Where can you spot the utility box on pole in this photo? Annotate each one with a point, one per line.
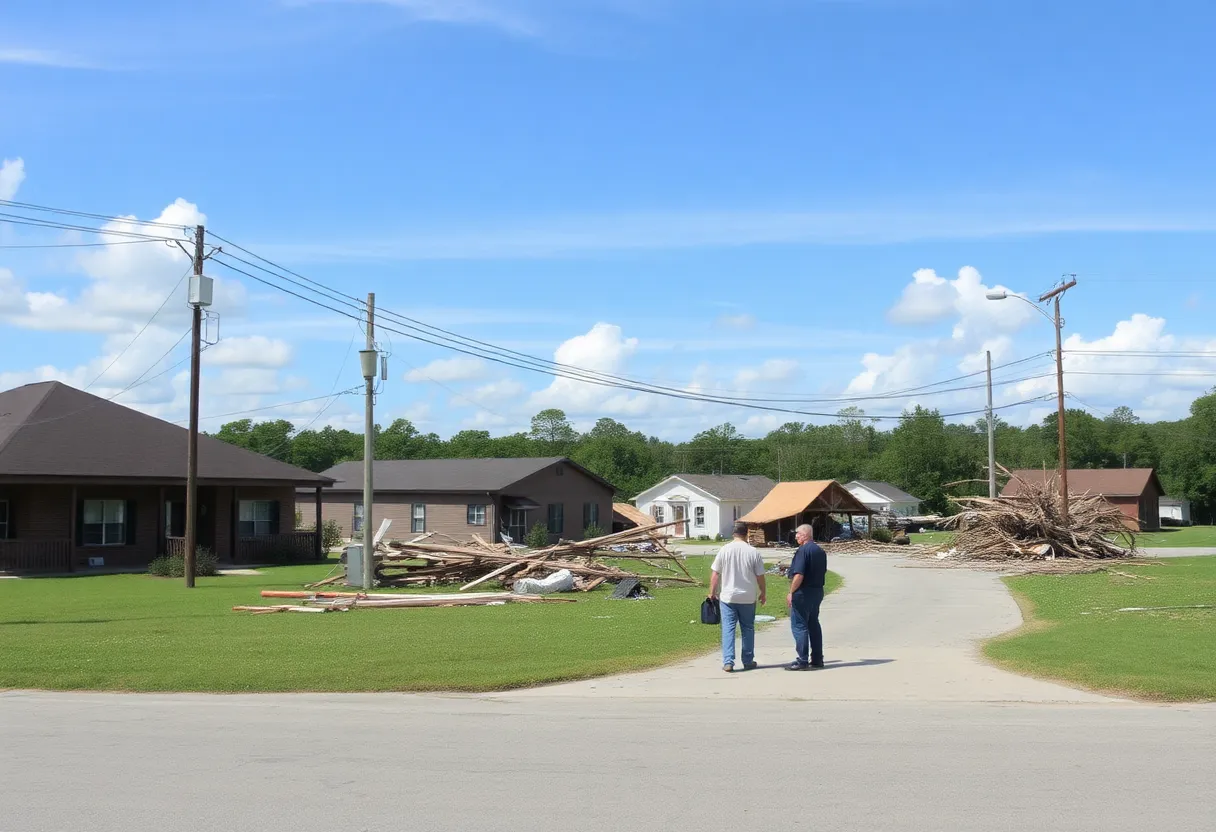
(202, 290)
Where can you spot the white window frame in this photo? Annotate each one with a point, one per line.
(5, 508)
(475, 514)
(258, 522)
(656, 511)
(418, 518)
(698, 517)
(356, 522)
(736, 512)
(107, 530)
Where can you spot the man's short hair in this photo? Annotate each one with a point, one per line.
(741, 530)
(805, 529)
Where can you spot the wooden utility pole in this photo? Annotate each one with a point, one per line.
(1055, 295)
(991, 434)
(368, 364)
(196, 311)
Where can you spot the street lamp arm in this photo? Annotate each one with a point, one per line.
(1028, 301)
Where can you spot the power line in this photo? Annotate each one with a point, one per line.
(76, 245)
(34, 222)
(216, 259)
(29, 206)
(284, 269)
(276, 406)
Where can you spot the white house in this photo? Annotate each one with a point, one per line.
(884, 497)
(1174, 511)
(709, 503)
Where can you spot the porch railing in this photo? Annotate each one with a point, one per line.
(175, 547)
(35, 555)
(287, 546)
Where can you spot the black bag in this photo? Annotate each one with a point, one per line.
(711, 613)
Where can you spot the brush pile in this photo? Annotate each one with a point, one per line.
(425, 561)
(1029, 526)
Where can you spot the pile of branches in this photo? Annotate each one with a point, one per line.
(1029, 526)
(425, 561)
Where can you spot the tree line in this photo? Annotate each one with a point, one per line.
(922, 453)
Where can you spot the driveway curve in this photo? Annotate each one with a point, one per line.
(896, 631)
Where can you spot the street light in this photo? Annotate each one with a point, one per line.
(1058, 323)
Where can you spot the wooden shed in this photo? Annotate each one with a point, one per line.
(790, 504)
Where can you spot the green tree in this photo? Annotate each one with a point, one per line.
(552, 431)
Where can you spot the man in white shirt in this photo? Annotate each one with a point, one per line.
(737, 580)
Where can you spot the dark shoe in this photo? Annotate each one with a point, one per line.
(750, 665)
(729, 668)
(796, 666)
(817, 664)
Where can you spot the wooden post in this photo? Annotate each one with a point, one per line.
(72, 533)
(316, 546)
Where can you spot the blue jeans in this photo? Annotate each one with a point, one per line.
(743, 615)
(804, 622)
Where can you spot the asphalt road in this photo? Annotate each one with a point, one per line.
(113, 763)
(908, 730)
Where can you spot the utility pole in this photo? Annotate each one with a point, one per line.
(200, 296)
(991, 434)
(1055, 295)
(368, 359)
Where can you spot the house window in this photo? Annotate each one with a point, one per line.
(477, 515)
(104, 523)
(3, 519)
(356, 525)
(419, 518)
(698, 515)
(736, 512)
(657, 513)
(257, 517)
(591, 514)
(557, 520)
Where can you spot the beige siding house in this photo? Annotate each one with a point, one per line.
(462, 497)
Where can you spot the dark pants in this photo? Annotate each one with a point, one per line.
(804, 622)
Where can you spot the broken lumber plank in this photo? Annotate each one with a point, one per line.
(499, 571)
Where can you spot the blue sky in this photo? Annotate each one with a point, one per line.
(715, 195)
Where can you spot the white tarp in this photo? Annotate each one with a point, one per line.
(560, 581)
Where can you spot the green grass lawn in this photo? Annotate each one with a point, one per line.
(1075, 634)
(931, 538)
(138, 633)
(1184, 538)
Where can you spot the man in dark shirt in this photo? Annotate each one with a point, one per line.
(807, 573)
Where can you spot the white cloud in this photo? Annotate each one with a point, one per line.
(12, 174)
(505, 390)
(246, 381)
(1001, 348)
(742, 321)
(908, 366)
(42, 57)
(603, 349)
(12, 294)
(773, 371)
(931, 299)
(250, 351)
(459, 368)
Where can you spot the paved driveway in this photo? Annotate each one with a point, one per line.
(894, 632)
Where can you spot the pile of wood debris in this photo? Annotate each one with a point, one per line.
(424, 561)
(1029, 526)
(343, 601)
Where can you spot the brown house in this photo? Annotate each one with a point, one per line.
(1136, 491)
(462, 497)
(87, 483)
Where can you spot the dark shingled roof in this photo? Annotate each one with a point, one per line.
(53, 430)
(448, 475)
(887, 491)
(1108, 482)
(731, 486)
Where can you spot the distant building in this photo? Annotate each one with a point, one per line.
(882, 497)
(1175, 511)
(791, 504)
(1136, 491)
(710, 503)
(462, 497)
